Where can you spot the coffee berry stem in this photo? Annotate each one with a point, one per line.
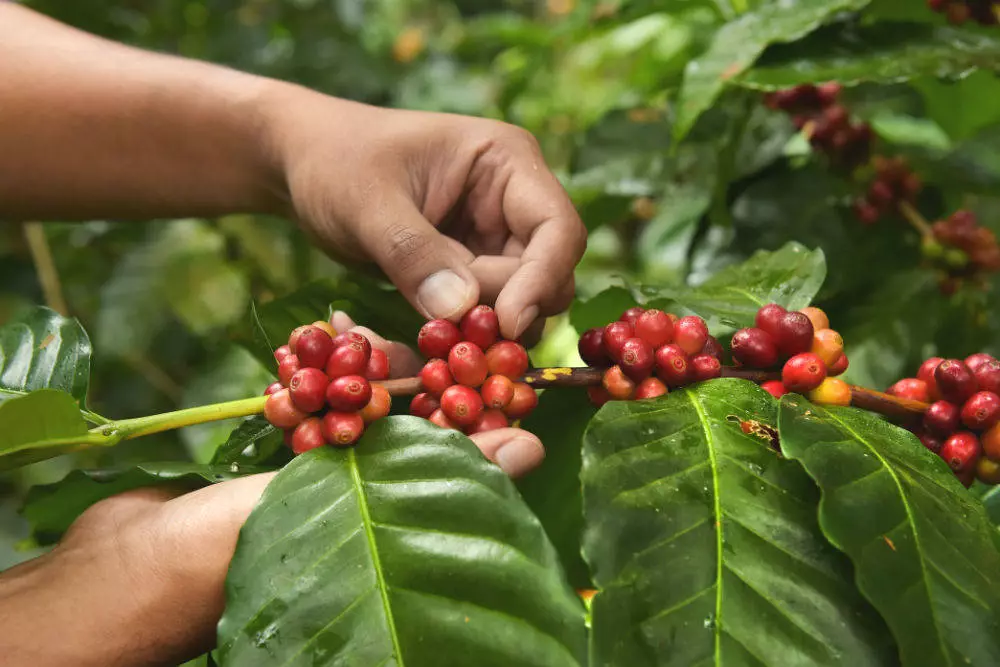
(916, 220)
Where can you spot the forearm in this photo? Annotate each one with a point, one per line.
(89, 128)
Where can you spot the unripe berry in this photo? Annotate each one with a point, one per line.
(991, 442)
(974, 361)
(650, 388)
(769, 319)
(435, 377)
(293, 338)
(713, 348)
(497, 392)
(795, 334)
(273, 387)
(955, 381)
(598, 395)
(911, 389)
(348, 359)
(462, 405)
(281, 353)
(353, 338)
(525, 400)
(961, 451)
(288, 367)
(378, 366)
(988, 376)
(691, 334)
(803, 373)
(931, 442)
(327, 327)
(988, 471)
(704, 367)
(839, 367)
(754, 348)
(828, 345)
(467, 364)
(308, 435)
(507, 358)
(617, 384)
(831, 391)
(632, 316)
(437, 337)
(308, 389)
(313, 348)
(672, 365)
(349, 393)
(615, 335)
(423, 405)
(981, 411)
(480, 326)
(491, 420)
(342, 429)
(438, 418)
(379, 405)
(926, 373)
(280, 411)
(655, 327)
(591, 347)
(637, 359)
(942, 418)
(817, 317)
(774, 388)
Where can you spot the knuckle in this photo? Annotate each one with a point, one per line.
(405, 247)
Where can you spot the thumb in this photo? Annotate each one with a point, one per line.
(430, 271)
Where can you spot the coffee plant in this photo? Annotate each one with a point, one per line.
(771, 415)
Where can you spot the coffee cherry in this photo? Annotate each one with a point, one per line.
(281, 353)
(831, 391)
(803, 373)
(654, 327)
(497, 392)
(754, 348)
(273, 387)
(617, 384)
(704, 367)
(817, 317)
(462, 405)
(480, 326)
(342, 429)
(379, 405)
(988, 376)
(598, 395)
(961, 451)
(691, 334)
(650, 388)
(293, 338)
(931, 442)
(327, 327)
(423, 405)
(988, 471)
(524, 402)
(911, 389)
(348, 359)
(308, 389)
(981, 411)
(632, 316)
(288, 367)
(280, 411)
(349, 393)
(926, 373)
(437, 337)
(491, 420)
(974, 361)
(353, 338)
(955, 381)
(991, 442)
(591, 347)
(795, 334)
(769, 319)
(713, 348)
(637, 359)
(828, 345)
(774, 388)
(435, 377)
(942, 418)
(467, 364)
(507, 358)
(378, 366)
(438, 418)
(839, 367)
(314, 347)
(672, 365)
(308, 435)
(615, 335)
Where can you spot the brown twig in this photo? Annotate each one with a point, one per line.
(916, 220)
(45, 267)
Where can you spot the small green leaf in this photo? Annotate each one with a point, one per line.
(41, 425)
(607, 306)
(904, 130)
(253, 442)
(44, 350)
(922, 546)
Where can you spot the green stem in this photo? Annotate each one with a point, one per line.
(126, 429)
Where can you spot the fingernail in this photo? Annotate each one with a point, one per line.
(519, 456)
(443, 294)
(525, 319)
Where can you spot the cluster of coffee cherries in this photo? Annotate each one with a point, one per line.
(962, 424)
(801, 343)
(648, 352)
(958, 12)
(962, 248)
(894, 184)
(325, 393)
(471, 382)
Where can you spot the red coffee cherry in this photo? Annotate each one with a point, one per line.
(288, 367)
(308, 435)
(961, 451)
(524, 402)
(308, 389)
(280, 411)
(507, 358)
(490, 421)
(955, 381)
(480, 326)
(591, 348)
(988, 376)
(655, 327)
(353, 338)
(379, 405)
(632, 316)
(378, 366)
(974, 361)
(713, 348)
(615, 335)
(828, 345)
(468, 365)
(774, 388)
(273, 387)
(988, 471)
(803, 373)
(286, 435)
(281, 353)
(650, 388)
(497, 392)
(314, 347)
(637, 359)
(348, 359)
(293, 338)
(931, 442)
(437, 337)
(342, 429)
(691, 334)
(704, 367)
(424, 405)
(438, 418)
(349, 393)
(435, 377)
(672, 365)
(839, 367)
(817, 317)
(617, 384)
(942, 418)
(769, 319)
(795, 334)
(981, 411)
(910, 388)
(754, 348)
(462, 405)
(926, 373)
(598, 395)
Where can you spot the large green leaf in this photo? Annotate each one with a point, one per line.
(740, 42)
(704, 542)
(44, 350)
(41, 425)
(409, 549)
(253, 442)
(922, 546)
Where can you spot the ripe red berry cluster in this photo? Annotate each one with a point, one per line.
(471, 381)
(325, 394)
(962, 249)
(648, 352)
(894, 184)
(962, 424)
(809, 353)
(958, 12)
